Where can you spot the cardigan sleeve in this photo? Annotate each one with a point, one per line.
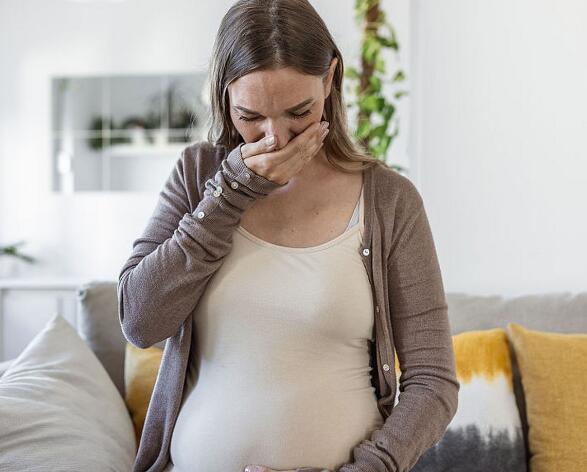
(428, 386)
(181, 247)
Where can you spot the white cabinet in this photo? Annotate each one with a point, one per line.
(27, 304)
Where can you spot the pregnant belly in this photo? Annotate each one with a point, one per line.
(224, 424)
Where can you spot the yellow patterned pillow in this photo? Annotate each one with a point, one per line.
(553, 369)
(141, 367)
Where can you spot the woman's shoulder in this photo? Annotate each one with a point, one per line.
(393, 189)
(399, 204)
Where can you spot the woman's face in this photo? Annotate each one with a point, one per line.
(281, 102)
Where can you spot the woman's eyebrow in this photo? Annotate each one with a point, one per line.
(294, 108)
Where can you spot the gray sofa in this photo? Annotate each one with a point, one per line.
(561, 312)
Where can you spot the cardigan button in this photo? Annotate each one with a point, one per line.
(366, 252)
(234, 185)
(201, 214)
(386, 367)
(377, 308)
(247, 175)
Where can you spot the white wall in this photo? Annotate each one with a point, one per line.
(90, 234)
(498, 140)
(493, 134)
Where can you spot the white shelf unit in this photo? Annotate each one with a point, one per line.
(94, 158)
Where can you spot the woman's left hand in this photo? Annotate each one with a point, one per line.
(262, 468)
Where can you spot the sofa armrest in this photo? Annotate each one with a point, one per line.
(4, 365)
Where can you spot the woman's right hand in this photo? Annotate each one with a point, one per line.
(280, 166)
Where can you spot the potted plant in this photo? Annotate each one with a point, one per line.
(137, 127)
(99, 124)
(376, 114)
(10, 256)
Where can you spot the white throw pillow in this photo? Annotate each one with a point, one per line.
(59, 409)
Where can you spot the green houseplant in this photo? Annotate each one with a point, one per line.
(377, 123)
(11, 251)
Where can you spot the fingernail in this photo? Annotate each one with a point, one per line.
(269, 141)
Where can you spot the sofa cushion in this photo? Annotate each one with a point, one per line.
(559, 312)
(59, 409)
(485, 435)
(141, 367)
(553, 368)
(4, 365)
(99, 326)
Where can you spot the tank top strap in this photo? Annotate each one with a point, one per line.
(355, 216)
(361, 222)
(362, 207)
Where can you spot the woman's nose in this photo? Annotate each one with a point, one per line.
(281, 134)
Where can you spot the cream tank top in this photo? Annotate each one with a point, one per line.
(279, 370)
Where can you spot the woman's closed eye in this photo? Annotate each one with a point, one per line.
(293, 116)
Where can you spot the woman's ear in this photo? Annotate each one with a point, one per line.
(330, 76)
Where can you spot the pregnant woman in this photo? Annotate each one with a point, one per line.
(286, 267)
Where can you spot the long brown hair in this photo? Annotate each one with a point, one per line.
(268, 34)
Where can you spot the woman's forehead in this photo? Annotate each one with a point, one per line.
(285, 87)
